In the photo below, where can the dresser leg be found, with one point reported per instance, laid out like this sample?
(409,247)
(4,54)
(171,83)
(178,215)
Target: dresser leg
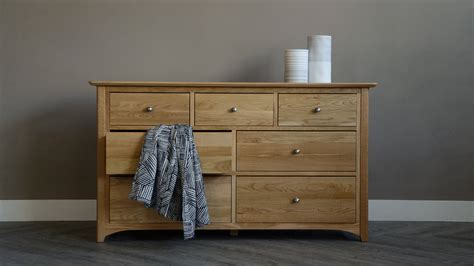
(101,236)
(233,232)
(364,237)
(100,239)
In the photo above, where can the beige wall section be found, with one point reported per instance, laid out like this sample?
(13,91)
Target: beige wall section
(420,52)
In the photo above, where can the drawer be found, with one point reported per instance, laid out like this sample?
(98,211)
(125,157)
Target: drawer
(317,109)
(123,151)
(149,108)
(234,109)
(124,210)
(296,199)
(296,151)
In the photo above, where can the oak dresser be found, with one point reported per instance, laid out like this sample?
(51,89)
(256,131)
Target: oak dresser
(274,155)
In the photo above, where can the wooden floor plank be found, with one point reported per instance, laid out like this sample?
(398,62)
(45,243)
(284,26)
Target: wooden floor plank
(60,243)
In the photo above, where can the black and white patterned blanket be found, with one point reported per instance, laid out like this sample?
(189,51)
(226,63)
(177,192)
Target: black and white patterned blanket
(169,179)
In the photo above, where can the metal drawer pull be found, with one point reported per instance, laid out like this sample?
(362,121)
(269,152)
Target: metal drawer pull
(317,110)
(296,151)
(234,109)
(149,109)
(296,200)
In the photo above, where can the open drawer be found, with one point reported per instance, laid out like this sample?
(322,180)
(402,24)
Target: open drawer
(124,210)
(123,151)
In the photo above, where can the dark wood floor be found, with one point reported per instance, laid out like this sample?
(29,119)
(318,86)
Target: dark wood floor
(67,243)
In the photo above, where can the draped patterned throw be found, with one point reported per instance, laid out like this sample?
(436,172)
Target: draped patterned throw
(169,179)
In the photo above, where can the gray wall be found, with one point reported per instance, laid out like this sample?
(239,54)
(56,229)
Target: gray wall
(2,74)
(420,52)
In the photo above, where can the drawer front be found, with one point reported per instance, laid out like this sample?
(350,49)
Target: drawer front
(123,151)
(125,210)
(296,151)
(296,199)
(234,109)
(317,109)
(149,108)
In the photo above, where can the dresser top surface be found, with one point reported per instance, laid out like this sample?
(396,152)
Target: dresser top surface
(230,84)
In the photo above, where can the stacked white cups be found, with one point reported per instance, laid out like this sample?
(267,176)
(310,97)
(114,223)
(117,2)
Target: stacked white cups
(311,65)
(296,65)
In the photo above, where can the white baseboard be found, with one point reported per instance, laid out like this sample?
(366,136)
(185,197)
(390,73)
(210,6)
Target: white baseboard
(421,210)
(47,210)
(379,210)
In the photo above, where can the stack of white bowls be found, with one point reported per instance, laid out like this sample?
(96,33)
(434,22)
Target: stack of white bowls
(296,65)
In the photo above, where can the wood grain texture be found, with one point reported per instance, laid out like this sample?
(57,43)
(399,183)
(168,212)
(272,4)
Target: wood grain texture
(122,152)
(102,179)
(215,151)
(125,210)
(358,161)
(214,148)
(229,128)
(348,227)
(191,108)
(256,144)
(230,84)
(321,199)
(234,197)
(274,151)
(364,164)
(130,108)
(275,109)
(299,110)
(252,109)
(171,89)
(296,173)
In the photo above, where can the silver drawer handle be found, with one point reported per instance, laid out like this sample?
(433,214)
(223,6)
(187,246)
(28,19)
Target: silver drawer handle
(149,109)
(317,110)
(234,109)
(296,200)
(296,151)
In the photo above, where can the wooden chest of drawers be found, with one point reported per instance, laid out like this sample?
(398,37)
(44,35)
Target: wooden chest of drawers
(274,155)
